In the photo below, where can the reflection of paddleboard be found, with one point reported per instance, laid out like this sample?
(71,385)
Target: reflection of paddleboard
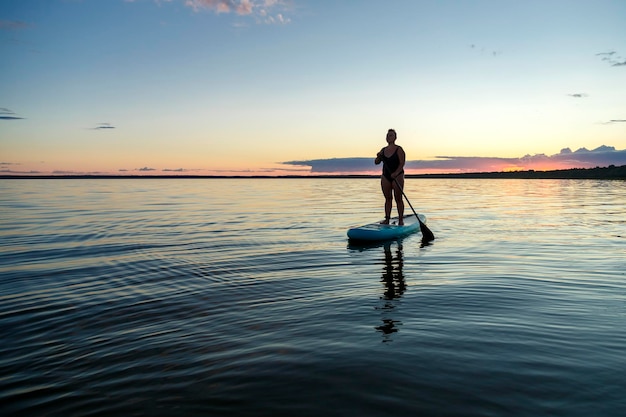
(377,231)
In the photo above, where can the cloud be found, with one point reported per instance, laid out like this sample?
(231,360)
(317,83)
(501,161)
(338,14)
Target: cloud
(74,173)
(613,121)
(221,6)
(6,114)
(103,126)
(336,164)
(13,172)
(165,170)
(12,24)
(581,158)
(490,52)
(612,58)
(265,11)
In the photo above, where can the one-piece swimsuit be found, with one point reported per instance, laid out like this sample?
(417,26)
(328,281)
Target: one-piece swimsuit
(390,164)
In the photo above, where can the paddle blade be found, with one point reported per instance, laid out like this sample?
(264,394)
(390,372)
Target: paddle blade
(427,235)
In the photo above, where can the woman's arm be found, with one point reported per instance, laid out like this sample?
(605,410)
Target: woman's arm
(379,156)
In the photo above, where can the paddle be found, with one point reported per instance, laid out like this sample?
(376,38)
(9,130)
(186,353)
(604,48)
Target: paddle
(427,235)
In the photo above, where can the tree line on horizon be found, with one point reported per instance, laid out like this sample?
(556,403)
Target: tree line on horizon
(610,172)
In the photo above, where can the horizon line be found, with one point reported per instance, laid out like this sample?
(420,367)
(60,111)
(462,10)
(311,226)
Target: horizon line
(500,174)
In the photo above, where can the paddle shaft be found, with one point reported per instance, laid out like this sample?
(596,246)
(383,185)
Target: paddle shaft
(427,234)
(407,199)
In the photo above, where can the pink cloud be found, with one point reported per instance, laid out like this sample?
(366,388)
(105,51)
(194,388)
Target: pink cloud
(264,11)
(582,158)
(241,7)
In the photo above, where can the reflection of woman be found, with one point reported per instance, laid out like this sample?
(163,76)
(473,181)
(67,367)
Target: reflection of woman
(392,156)
(393,277)
(393,280)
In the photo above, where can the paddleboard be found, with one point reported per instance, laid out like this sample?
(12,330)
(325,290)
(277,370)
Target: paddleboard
(378,232)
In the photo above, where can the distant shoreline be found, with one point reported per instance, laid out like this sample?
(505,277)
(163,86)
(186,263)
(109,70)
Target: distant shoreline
(606,173)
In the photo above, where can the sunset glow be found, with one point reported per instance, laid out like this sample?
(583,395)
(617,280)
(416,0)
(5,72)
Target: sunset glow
(305,88)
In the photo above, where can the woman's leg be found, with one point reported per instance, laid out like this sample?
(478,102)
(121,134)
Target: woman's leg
(386,186)
(398,185)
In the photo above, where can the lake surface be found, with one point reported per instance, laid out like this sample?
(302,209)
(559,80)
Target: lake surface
(243,297)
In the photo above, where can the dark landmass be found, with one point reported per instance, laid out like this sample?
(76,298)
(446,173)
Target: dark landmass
(607,173)
(611,172)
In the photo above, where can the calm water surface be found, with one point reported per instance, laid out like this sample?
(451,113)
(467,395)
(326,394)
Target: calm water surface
(242,297)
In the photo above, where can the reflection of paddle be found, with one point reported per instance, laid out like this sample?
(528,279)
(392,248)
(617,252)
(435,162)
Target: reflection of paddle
(427,235)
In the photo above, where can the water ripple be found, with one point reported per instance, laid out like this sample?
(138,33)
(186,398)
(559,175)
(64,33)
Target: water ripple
(243,297)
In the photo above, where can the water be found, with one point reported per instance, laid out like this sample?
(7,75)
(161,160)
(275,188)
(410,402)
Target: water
(242,297)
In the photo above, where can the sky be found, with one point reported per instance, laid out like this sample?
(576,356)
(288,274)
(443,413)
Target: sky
(276,87)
